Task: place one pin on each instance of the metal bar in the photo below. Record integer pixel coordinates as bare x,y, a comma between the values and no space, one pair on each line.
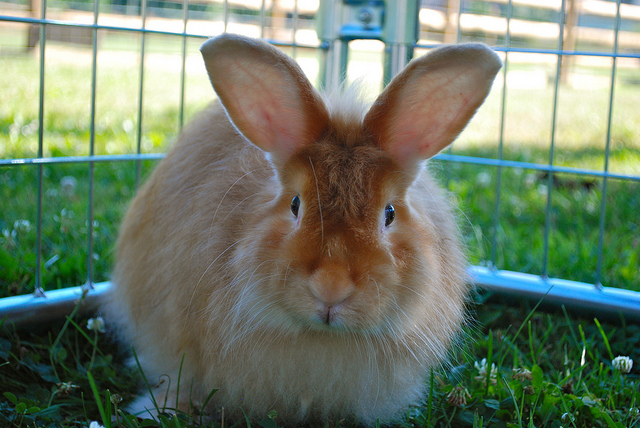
547,51
57,304
458,26
344,59
141,92
604,301
333,65
92,141
554,122
603,202
183,66
150,31
226,15
447,179
533,166
38,290
80,159
296,17
400,34
503,109
442,157
262,18
287,44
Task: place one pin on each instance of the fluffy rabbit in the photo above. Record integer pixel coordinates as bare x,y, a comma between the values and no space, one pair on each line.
292,252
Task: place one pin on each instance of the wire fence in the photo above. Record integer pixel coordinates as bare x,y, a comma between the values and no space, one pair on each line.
546,49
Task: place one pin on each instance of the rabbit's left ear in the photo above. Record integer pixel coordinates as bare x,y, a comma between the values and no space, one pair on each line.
265,93
429,103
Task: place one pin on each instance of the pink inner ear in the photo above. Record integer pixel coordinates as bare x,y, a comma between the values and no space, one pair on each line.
428,104
269,131
265,93
259,110
425,123
438,128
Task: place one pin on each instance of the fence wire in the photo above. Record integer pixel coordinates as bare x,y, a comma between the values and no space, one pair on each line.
267,20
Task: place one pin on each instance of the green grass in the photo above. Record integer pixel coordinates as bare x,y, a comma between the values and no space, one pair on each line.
563,374
64,223
551,370
574,217
575,206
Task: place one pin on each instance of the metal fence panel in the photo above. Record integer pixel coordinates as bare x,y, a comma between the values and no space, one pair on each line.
564,30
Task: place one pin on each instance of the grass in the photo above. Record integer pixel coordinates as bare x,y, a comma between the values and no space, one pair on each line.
574,217
549,370
519,239
552,369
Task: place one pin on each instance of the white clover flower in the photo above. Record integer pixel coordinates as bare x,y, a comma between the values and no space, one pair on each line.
530,180
66,387
484,179
9,234
96,324
22,225
68,184
622,364
542,190
10,237
481,366
95,424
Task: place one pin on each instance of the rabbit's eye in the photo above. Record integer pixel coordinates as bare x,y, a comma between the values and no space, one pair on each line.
389,214
295,205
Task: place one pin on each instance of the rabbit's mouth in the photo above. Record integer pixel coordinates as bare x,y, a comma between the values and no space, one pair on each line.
347,316
331,317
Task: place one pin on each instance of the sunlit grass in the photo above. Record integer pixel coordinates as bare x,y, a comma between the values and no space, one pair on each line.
574,213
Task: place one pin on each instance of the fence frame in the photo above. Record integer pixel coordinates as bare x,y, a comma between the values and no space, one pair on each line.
400,35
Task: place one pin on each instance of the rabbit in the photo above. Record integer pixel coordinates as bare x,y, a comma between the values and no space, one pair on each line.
292,251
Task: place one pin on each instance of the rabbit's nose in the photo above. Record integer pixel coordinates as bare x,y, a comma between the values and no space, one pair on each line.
331,285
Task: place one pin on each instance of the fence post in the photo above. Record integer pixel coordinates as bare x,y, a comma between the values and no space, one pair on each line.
394,22
333,64
400,34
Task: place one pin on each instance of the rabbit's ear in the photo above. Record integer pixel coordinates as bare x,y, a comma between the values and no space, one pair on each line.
427,105
265,93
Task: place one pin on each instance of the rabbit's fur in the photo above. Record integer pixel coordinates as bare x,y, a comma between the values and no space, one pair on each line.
329,314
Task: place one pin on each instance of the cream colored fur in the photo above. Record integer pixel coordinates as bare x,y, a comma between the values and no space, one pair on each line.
212,266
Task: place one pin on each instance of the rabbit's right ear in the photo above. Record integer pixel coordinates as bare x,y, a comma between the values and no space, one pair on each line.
265,93
425,106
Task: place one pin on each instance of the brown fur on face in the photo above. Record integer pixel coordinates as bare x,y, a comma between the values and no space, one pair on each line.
326,315
345,182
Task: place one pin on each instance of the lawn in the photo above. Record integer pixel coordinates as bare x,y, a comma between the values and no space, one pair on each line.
551,369
515,368
575,208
